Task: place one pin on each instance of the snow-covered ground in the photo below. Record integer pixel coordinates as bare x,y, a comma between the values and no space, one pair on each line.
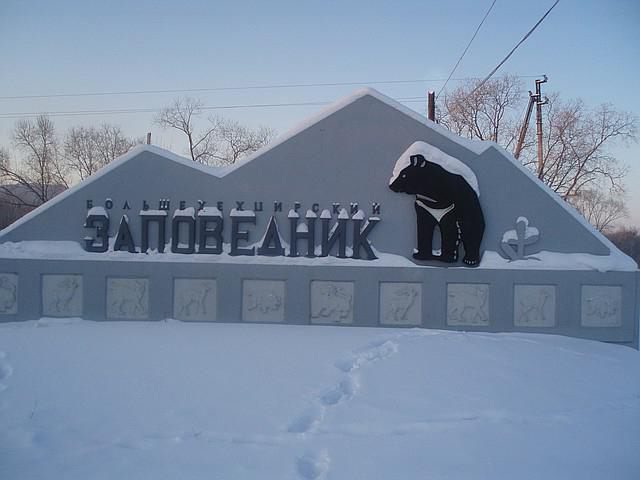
170,400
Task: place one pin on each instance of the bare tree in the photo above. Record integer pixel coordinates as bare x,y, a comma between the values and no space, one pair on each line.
88,149
577,150
627,240
39,174
601,209
222,142
577,160
487,113
181,116
234,141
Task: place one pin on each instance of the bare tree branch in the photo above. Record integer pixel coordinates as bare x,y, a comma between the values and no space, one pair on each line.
39,173
577,161
88,149
223,142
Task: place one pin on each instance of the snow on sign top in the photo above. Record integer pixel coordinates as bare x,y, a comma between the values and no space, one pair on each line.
437,156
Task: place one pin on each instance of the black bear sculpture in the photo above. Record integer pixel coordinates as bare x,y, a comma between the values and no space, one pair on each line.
446,195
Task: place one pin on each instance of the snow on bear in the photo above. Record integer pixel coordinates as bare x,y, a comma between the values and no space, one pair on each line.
447,194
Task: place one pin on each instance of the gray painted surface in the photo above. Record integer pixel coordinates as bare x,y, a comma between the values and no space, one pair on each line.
366,280
345,157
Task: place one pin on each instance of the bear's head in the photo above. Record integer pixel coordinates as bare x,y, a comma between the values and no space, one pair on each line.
403,178
419,177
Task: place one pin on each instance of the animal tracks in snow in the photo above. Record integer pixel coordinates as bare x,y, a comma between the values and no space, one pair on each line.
314,466
377,350
308,421
346,388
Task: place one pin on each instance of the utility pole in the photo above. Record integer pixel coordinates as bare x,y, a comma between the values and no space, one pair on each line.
525,126
539,103
431,106
534,98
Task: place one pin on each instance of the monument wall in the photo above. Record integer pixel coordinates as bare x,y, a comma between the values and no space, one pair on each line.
367,215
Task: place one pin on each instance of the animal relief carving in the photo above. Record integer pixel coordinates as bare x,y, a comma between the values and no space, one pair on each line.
400,304
263,300
332,302
601,306
194,299
534,305
8,294
467,304
127,298
62,295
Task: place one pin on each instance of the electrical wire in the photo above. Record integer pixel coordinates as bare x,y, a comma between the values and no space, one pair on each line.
514,48
466,48
235,88
73,113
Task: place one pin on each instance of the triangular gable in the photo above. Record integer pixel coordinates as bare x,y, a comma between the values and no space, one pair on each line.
343,155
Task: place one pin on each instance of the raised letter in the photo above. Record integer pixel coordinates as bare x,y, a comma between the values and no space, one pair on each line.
210,216
238,217
360,237
183,216
302,232
97,218
149,216
124,237
271,236
337,234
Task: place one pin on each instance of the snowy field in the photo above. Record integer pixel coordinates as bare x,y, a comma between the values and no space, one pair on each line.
169,400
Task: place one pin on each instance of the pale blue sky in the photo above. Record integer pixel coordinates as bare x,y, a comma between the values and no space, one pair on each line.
589,49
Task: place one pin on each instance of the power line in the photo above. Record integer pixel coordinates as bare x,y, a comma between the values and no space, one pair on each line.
73,113
515,48
237,88
466,48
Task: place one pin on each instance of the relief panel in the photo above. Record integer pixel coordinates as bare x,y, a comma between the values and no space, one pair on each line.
62,295
194,299
601,306
128,298
8,293
331,302
534,306
400,303
468,304
263,300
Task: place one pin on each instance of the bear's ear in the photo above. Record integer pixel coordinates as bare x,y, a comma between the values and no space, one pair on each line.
418,160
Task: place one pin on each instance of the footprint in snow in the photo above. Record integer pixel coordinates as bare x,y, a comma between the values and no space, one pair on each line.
343,391
314,466
308,421
377,350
